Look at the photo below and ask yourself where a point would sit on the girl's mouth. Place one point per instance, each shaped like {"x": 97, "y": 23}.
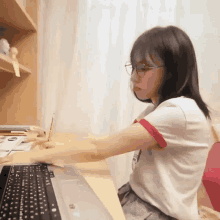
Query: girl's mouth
{"x": 136, "y": 89}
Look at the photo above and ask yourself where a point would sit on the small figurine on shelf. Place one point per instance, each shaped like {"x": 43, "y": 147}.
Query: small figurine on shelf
{"x": 4, "y": 45}
{"x": 13, "y": 54}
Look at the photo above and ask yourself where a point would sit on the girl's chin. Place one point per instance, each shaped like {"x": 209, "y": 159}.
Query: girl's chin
{"x": 141, "y": 94}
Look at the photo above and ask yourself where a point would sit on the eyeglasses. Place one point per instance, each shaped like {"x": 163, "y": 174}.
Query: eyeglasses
{"x": 140, "y": 69}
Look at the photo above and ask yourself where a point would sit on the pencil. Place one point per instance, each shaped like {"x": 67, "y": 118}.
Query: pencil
{"x": 51, "y": 130}
{"x": 49, "y": 139}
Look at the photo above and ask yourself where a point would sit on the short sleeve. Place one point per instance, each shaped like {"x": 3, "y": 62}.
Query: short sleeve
{"x": 167, "y": 124}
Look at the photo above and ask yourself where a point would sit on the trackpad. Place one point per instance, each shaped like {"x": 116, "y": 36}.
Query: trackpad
{"x": 82, "y": 202}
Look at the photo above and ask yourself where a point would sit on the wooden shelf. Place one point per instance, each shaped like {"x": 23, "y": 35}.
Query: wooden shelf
{"x": 20, "y": 96}
{"x": 14, "y": 14}
{"x": 6, "y": 65}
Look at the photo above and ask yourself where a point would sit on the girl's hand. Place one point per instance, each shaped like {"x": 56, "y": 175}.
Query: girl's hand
{"x": 18, "y": 158}
{"x": 39, "y": 143}
{"x": 33, "y": 156}
{"x": 39, "y": 153}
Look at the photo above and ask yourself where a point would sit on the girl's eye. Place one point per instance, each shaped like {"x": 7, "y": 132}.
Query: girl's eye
{"x": 142, "y": 70}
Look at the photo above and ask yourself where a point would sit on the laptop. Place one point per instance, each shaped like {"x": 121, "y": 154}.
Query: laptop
{"x": 41, "y": 191}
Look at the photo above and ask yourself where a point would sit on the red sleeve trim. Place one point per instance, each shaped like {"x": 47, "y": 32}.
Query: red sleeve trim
{"x": 153, "y": 132}
{"x": 135, "y": 121}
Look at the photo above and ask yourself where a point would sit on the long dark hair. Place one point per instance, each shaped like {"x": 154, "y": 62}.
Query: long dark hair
{"x": 172, "y": 47}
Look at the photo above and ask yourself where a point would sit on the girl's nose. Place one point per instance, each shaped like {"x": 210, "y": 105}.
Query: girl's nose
{"x": 134, "y": 77}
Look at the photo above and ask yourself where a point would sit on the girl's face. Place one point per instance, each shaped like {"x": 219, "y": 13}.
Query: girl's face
{"x": 146, "y": 82}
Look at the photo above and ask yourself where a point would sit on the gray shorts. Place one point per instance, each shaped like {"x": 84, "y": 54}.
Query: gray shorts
{"x": 135, "y": 208}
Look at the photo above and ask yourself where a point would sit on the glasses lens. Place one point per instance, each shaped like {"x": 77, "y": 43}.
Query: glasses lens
{"x": 129, "y": 70}
{"x": 128, "y": 67}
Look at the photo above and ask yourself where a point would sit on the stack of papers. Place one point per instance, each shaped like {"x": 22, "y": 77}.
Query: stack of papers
{"x": 22, "y": 130}
{"x": 13, "y": 143}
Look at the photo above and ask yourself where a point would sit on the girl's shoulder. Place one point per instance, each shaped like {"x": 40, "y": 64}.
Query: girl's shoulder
{"x": 179, "y": 101}
{"x": 187, "y": 105}
{"x": 186, "y": 108}
{"x": 190, "y": 109}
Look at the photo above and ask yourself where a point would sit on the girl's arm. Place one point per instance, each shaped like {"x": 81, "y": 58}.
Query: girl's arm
{"x": 135, "y": 137}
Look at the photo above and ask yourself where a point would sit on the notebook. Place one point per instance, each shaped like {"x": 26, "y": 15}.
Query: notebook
{"x": 41, "y": 191}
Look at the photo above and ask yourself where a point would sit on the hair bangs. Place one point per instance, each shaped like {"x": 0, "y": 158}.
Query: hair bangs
{"x": 143, "y": 50}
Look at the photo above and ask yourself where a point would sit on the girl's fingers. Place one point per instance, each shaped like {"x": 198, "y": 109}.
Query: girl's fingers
{"x": 39, "y": 145}
{"x": 53, "y": 144}
{"x": 5, "y": 159}
{"x": 18, "y": 157}
{"x": 48, "y": 145}
{"x": 42, "y": 147}
{"x": 37, "y": 140}
{"x": 42, "y": 143}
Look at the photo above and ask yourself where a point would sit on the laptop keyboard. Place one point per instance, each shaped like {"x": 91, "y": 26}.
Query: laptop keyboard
{"x": 26, "y": 192}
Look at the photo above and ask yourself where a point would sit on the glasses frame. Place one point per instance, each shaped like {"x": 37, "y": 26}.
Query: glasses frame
{"x": 138, "y": 72}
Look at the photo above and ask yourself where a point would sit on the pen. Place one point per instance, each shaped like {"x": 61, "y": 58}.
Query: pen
{"x": 49, "y": 139}
{"x": 51, "y": 129}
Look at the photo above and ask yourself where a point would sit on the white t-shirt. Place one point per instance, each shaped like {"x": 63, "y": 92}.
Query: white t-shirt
{"x": 170, "y": 179}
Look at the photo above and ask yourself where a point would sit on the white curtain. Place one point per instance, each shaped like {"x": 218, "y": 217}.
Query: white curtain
{"x": 84, "y": 45}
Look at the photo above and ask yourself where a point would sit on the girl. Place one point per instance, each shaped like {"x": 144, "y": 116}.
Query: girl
{"x": 171, "y": 138}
